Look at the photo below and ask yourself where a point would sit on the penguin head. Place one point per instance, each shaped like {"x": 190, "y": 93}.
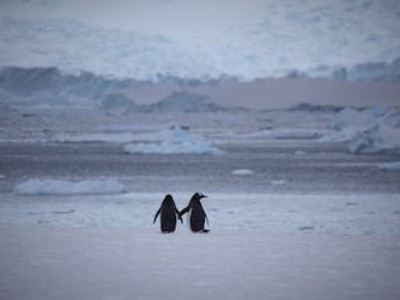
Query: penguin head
{"x": 199, "y": 196}
{"x": 168, "y": 199}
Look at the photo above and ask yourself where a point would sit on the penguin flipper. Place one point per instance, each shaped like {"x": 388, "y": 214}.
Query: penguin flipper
{"x": 179, "y": 215}
{"x": 207, "y": 220}
{"x": 184, "y": 211}
{"x": 156, "y": 215}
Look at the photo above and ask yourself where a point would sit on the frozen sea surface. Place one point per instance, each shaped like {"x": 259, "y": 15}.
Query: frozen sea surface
{"x": 288, "y": 187}
{"x": 40, "y": 262}
{"x": 299, "y": 167}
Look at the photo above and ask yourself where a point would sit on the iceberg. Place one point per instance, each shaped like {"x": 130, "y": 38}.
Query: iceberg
{"x": 288, "y": 134}
{"x": 63, "y": 187}
{"x": 188, "y": 102}
{"x": 172, "y": 147}
{"x": 367, "y": 130}
{"x": 353, "y": 119}
{"x": 242, "y": 172}
{"x": 123, "y": 137}
{"x": 118, "y": 104}
{"x": 383, "y": 136}
{"x": 394, "y": 166}
{"x": 175, "y": 140}
{"x": 50, "y": 85}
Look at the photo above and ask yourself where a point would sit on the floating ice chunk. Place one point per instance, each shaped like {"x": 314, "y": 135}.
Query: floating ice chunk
{"x": 372, "y": 130}
{"x": 364, "y": 142}
{"x": 350, "y": 118}
{"x": 339, "y": 136}
{"x": 242, "y": 172}
{"x": 278, "y": 182}
{"x": 288, "y": 134}
{"x": 300, "y": 152}
{"x": 62, "y": 187}
{"x": 383, "y": 136}
{"x": 171, "y": 147}
{"x": 175, "y": 140}
{"x": 124, "y": 137}
{"x": 349, "y": 122}
{"x": 390, "y": 166}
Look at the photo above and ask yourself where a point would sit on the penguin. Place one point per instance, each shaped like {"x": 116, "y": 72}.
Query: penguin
{"x": 168, "y": 212}
{"x": 196, "y": 214}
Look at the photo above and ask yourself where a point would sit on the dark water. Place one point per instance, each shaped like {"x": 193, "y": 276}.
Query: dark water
{"x": 281, "y": 167}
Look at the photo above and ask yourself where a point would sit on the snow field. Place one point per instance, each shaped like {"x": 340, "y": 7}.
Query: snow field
{"x": 136, "y": 263}
{"x": 360, "y": 214}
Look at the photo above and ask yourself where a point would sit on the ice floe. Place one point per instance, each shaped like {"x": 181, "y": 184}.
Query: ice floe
{"x": 242, "y": 172}
{"x": 382, "y": 136}
{"x": 369, "y": 131}
{"x": 63, "y": 187}
{"x": 123, "y": 137}
{"x": 288, "y": 134}
{"x": 390, "y": 166}
{"x": 174, "y": 140}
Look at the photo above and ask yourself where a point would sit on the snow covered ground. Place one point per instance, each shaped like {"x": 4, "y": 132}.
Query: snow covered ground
{"x": 137, "y": 263}
{"x": 374, "y": 215}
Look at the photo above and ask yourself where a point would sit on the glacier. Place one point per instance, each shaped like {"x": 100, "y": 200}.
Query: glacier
{"x": 53, "y": 87}
{"x": 315, "y": 39}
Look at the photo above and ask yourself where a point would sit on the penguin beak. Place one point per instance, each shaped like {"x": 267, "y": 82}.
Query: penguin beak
{"x": 203, "y": 196}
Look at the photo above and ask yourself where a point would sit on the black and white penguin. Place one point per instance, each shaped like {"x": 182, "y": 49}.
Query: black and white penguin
{"x": 168, "y": 212}
{"x": 196, "y": 214}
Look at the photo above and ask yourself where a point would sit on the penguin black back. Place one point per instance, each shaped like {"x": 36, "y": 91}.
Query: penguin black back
{"x": 168, "y": 214}
{"x": 196, "y": 214}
